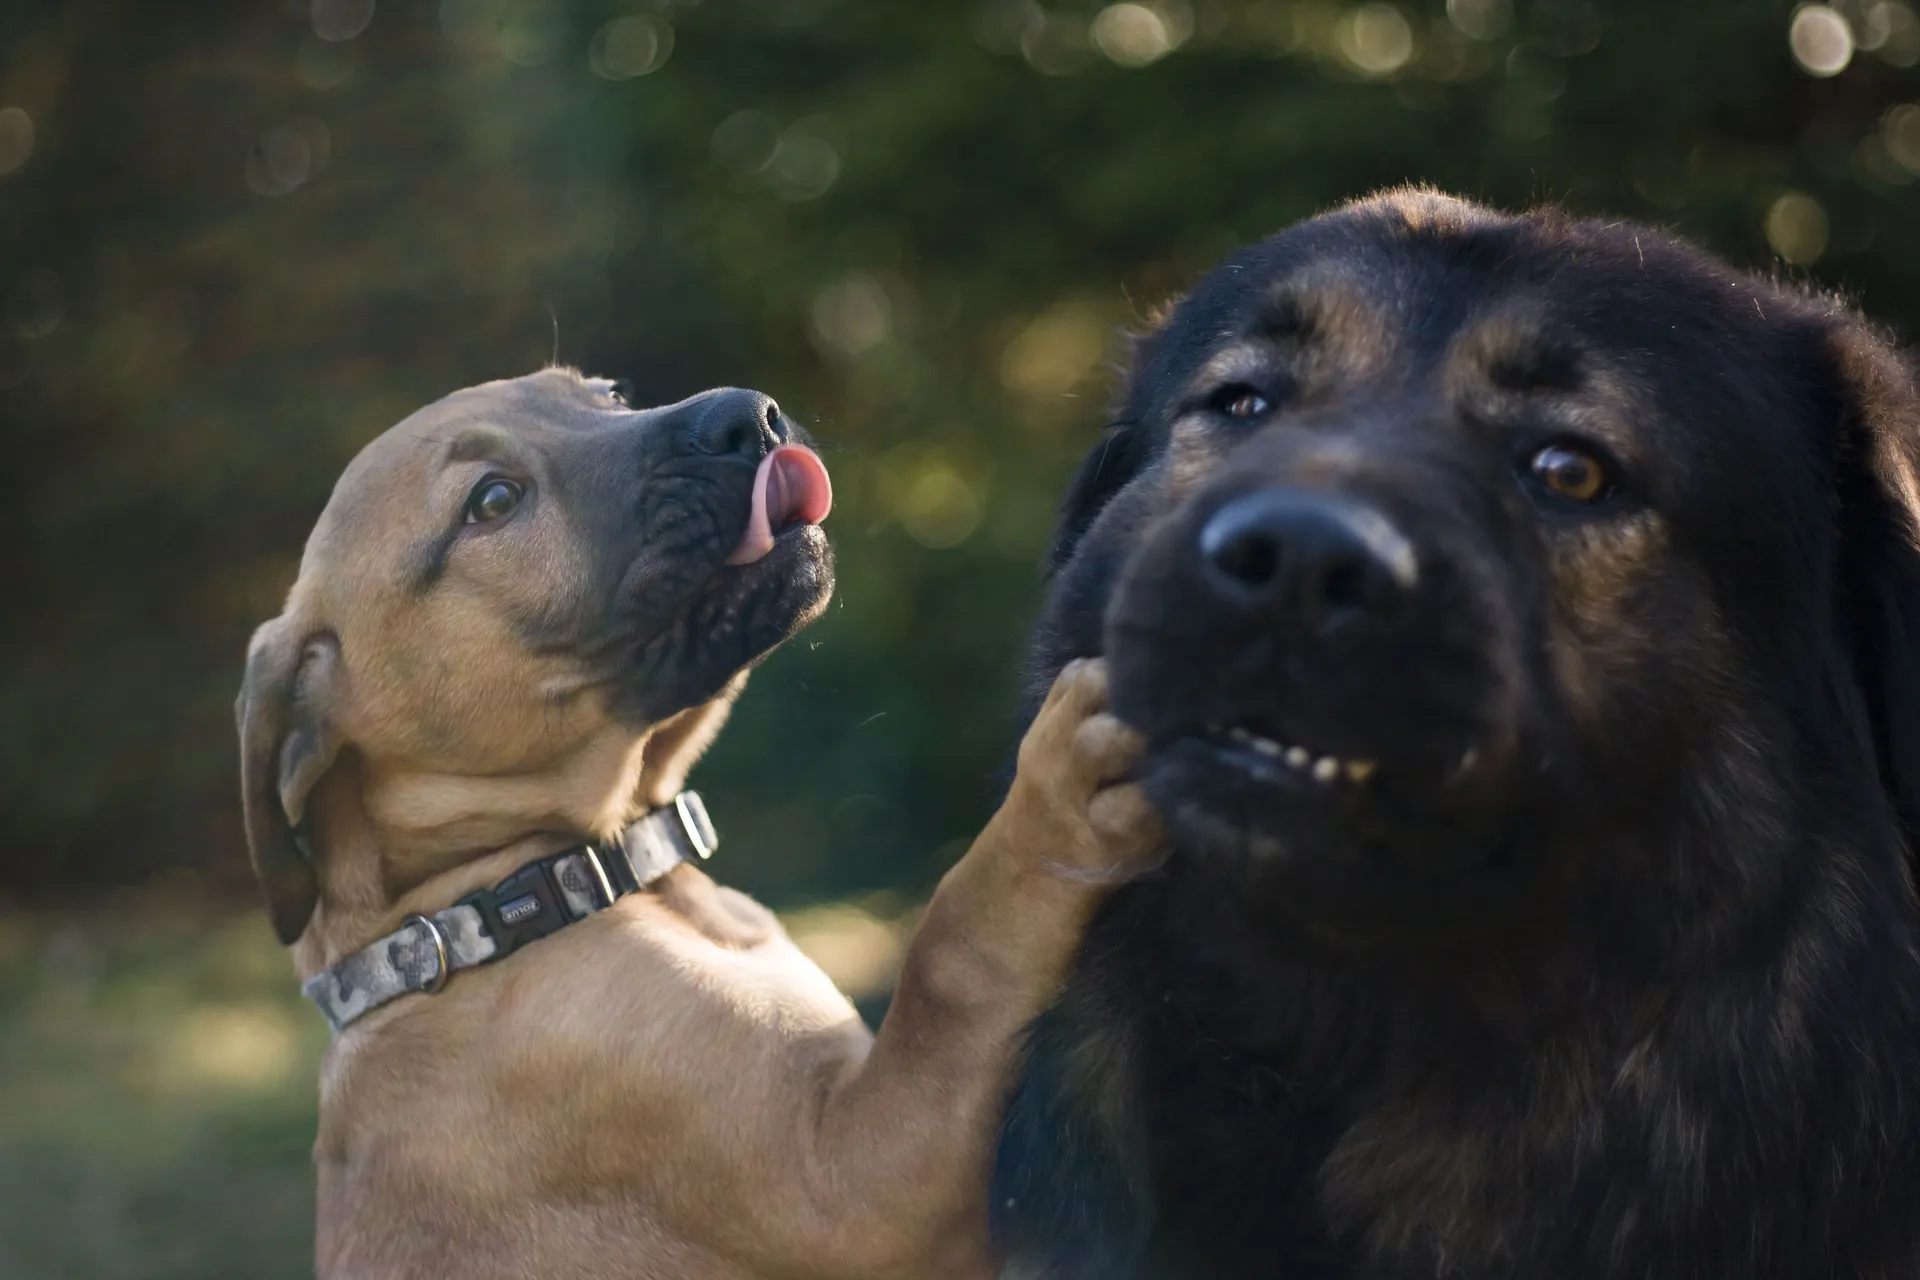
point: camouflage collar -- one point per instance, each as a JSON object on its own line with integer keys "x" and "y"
{"x": 540, "y": 898}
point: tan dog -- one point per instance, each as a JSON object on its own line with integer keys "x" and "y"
{"x": 521, "y": 618}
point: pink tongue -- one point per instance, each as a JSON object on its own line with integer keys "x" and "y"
{"x": 791, "y": 487}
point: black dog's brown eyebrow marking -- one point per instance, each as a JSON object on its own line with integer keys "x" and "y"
{"x": 1520, "y": 350}
{"x": 1539, "y": 364}
{"x": 1282, "y": 316}
{"x": 1332, "y": 322}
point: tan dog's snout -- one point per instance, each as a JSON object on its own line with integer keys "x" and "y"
{"x": 518, "y": 614}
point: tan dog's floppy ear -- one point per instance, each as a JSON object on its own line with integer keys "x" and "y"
{"x": 287, "y": 742}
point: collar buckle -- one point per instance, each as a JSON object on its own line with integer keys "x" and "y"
{"x": 523, "y": 908}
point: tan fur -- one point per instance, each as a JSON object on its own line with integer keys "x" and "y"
{"x": 669, "y": 1088}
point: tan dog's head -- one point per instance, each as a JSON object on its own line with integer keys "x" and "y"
{"x": 525, "y": 609}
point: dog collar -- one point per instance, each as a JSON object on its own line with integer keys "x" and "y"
{"x": 540, "y": 898}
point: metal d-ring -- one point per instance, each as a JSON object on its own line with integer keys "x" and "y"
{"x": 444, "y": 969}
{"x": 695, "y": 822}
{"x": 607, "y": 896}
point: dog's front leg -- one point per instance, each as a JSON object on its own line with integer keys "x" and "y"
{"x": 899, "y": 1146}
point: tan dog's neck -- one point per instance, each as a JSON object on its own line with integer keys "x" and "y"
{"x": 391, "y": 839}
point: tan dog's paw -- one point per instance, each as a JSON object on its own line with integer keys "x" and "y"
{"x": 1075, "y": 813}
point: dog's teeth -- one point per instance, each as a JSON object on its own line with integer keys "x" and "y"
{"x": 1265, "y": 746}
{"x": 1326, "y": 769}
{"x": 1359, "y": 770}
{"x": 1298, "y": 757}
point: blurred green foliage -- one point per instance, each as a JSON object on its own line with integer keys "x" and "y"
{"x": 240, "y": 237}
{"x": 237, "y": 239}
{"x": 157, "y": 1101}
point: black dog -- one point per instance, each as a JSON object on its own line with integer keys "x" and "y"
{"x": 1524, "y": 613}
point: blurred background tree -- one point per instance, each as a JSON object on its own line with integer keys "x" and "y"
{"x": 240, "y": 237}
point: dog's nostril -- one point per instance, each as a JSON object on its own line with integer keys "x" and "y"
{"x": 734, "y": 423}
{"x": 1250, "y": 558}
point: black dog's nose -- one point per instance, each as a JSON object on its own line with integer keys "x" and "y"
{"x": 1306, "y": 555}
{"x": 731, "y": 421}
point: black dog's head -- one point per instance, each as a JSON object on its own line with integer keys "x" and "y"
{"x": 1449, "y": 559}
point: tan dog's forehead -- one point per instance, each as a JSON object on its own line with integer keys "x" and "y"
{"x": 389, "y": 480}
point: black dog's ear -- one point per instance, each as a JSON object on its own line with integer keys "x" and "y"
{"x": 1122, "y": 451}
{"x": 287, "y": 741}
{"x": 1105, "y": 471}
{"x": 1879, "y": 570}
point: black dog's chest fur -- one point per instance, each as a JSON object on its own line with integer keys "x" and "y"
{"x": 1178, "y": 1123}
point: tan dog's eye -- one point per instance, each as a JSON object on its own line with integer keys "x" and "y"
{"x": 1570, "y": 472}
{"x": 492, "y": 499}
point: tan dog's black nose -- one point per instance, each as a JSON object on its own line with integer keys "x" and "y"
{"x": 735, "y": 422}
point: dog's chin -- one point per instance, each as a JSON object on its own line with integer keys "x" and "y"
{"x": 1339, "y": 846}
{"x": 741, "y": 614}
{"x": 784, "y": 590}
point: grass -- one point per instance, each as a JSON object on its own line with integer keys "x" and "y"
{"x": 157, "y": 1088}
{"x": 156, "y": 1102}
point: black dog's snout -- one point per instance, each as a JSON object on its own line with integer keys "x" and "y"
{"x": 1305, "y": 555}
{"x": 734, "y": 422}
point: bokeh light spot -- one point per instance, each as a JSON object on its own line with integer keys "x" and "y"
{"x": 804, "y": 164}
{"x": 745, "y": 141}
{"x": 16, "y": 139}
{"x": 288, "y": 157}
{"x": 939, "y": 509}
{"x": 636, "y": 45}
{"x": 851, "y": 317}
{"x": 1135, "y": 35}
{"x": 1796, "y": 227}
{"x": 1896, "y": 29}
{"x": 1056, "y": 44}
{"x": 1890, "y": 30}
{"x": 38, "y": 304}
{"x": 532, "y": 34}
{"x": 1376, "y": 39}
{"x": 247, "y": 1046}
{"x": 1821, "y": 40}
{"x": 1481, "y": 19}
{"x": 1900, "y": 131}
{"x": 1054, "y": 352}
{"x": 337, "y": 20}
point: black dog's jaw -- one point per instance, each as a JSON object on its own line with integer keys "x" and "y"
{"x": 1522, "y": 614}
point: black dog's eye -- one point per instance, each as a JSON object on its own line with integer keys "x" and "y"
{"x": 1242, "y": 402}
{"x": 491, "y": 499}
{"x": 1570, "y": 472}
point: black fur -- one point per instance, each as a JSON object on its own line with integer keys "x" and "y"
{"x": 1602, "y": 960}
